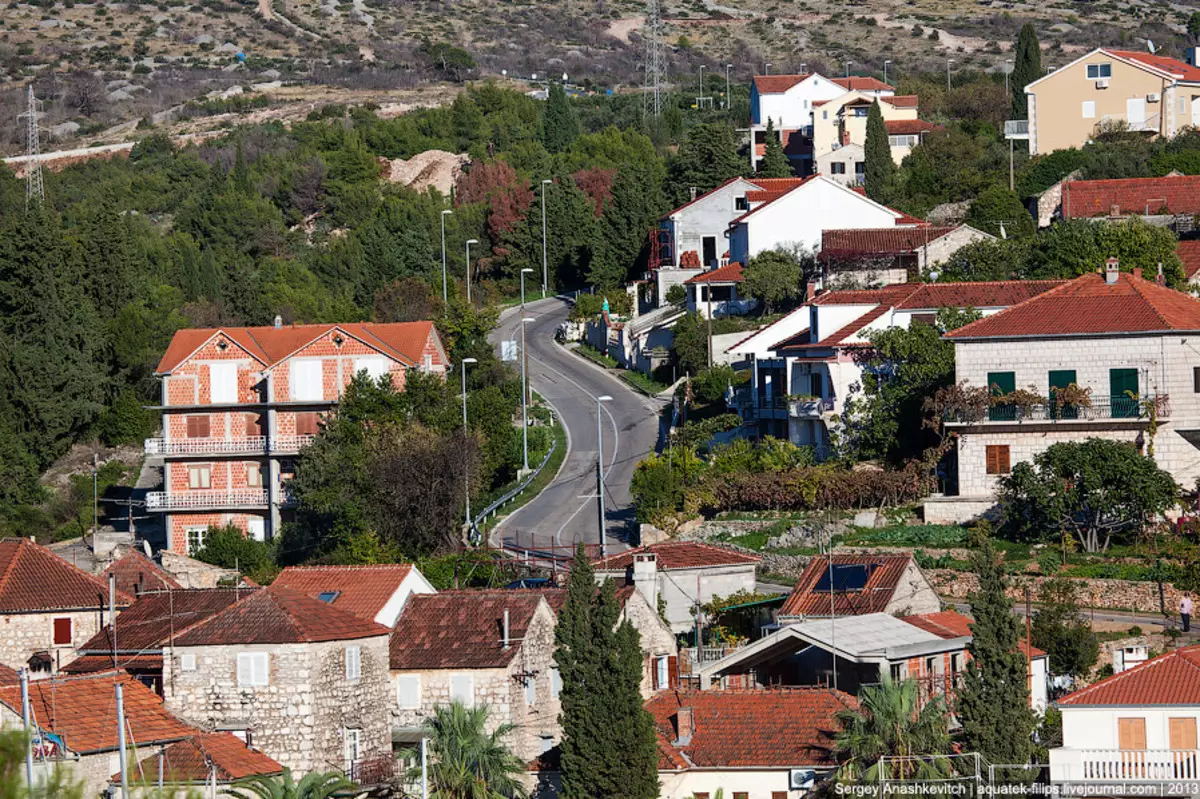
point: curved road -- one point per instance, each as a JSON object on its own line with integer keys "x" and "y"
{"x": 565, "y": 513}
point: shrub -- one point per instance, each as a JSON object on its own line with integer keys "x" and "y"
{"x": 711, "y": 384}
{"x": 820, "y": 487}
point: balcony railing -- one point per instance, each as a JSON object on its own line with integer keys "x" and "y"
{"x": 197, "y": 500}
{"x": 1138, "y": 766}
{"x": 812, "y": 408}
{"x": 251, "y": 445}
{"x": 291, "y": 443}
{"x": 1101, "y": 409}
{"x": 372, "y": 771}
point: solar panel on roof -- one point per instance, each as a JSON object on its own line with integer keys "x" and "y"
{"x": 328, "y": 596}
{"x": 844, "y": 577}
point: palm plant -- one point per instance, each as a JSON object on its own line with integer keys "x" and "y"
{"x": 316, "y": 785}
{"x": 466, "y": 761}
{"x": 891, "y": 722}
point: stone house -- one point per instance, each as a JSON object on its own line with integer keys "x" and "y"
{"x": 47, "y": 607}
{"x": 305, "y": 682}
{"x": 867, "y": 258}
{"x": 136, "y": 573}
{"x": 239, "y": 404}
{"x": 856, "y": 585}
{"x": 375, "y": 592}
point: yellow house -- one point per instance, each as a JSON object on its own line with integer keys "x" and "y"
{"x": 843, "y": 121}
{"x": 1141, "y": 90}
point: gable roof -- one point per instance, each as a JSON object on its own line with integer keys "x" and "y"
{"x": 1160, "y": 63}
{"x": 33, "y": 579}
{"x": 83, "y": 711}
{"x": 729, "y": 273}
{"x": 188, "y": 760}
{"x": 149, "y": 623}
{"x": 1087, "y": 306}
{"x": 742, "y": 729}
{"x": 1169, "y": 679}
{"x": 461, "y": 629}
{"x": 901, "y": 101}
{"x": 136, "y": 574}
{"x": 902, "y": 127}
{"x": 403, "y": 341}
{"x": 860, "y": 83}
{"x": 1189, "y": 253}
{"x": 1179, "y": 194}
{"x": 704, "y": 195}
{"x": 880, "y": 587}
{"x": 678, "y": 555}
{"x": 276, "y": 615}
{"x": 778, "y": 84}
{"x": 952, "y": 624}
{"x": 881, "y": 241}
{"x": 361, "y": 590}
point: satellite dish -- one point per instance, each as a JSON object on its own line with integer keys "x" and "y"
{"x": 1150, "y": 46}
{"x": 933, "y": 276}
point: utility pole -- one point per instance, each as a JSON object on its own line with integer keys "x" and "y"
{"x": 1028, "y": 644}
{"x": 949, "y": 61}
{"x": 121, "y": 739}
{"x": 162, "y": 753}
{"x": 35, "y": 191}
{"x": 728, "y": 92}
{"x": 27, "y": 718}
{"x": 112, "y": 614}
{"x": 544, "y": 271}
{"x": 885, "y": 66}
{"x": 708, "y": 299}
{"x": 600, "y": 472}
{"x": 467, "y": 470}
{"x": 424, "y": 768}
{"x": 832, "y": 605}
{"x": 524, "y": 378}
{"x": 445, "y": 291}
{"x": 469, "y": 243}
{"x": 95, "y": 497}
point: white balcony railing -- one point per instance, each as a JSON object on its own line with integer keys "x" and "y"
{"x": 290, "y": 443}
{"x": 812, "y": 408}
{"x": 1138, "y": 766}
{"x": 251, "y": 445}
{"x": 197, "y": 500}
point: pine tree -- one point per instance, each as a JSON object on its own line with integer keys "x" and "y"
{"x": 706, "y": 159}
{"x": 1027, "y": 67}
{"x": 879, "y": 166}
{"x": 608, "y": 744}
{"x": 993, "y": 704}
{"x": 774, "y": 163}
{"x": 560, "y": 126}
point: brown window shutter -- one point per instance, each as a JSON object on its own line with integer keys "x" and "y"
{"x": 197, "y": 427}
{"x": 1182, "y": 733}
{"x": 306, "y": 423}
{"x": 1002, "y": 459}
{"x": 1131, "y": 734}
{"x": 991, "y": 459}
{"x": 741, "y": 795}
{"x": 779, "y": 795}
{"x": 62, "y": 632}
{"x": 997, "y": 456}
{"x": 253, "y": 424}
{"x": 654, "y": 686}
{"x": 673, "y": 671}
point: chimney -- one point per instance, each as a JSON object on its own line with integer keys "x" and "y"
{"x": 505, "y": 639}
{"x": 810, "y": 291}
{"x": 692, "y": 192}
{"x": 1160, "y": 278}
{"x": 645, "y": 577}
{"x": 1112, "y": 270}
{"x": 845, "y": 137}
{"x": 685, "y": 721}
{"x": 1137, "y": 272}
{"x": 278, "y": 321}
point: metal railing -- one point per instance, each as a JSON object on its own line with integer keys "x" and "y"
{"x": 373, "y": 771}
{"x": 196, "y": 500}
{"x": 250, "y": 445}
{"x": 809, "y": 408}
{"x": 1099, "y": 409}
{"x": 1125, "y": 765}
{"x": 291, "y": 443}
{"x": 1149, "y": 123}
{"x": 509, "y": 495}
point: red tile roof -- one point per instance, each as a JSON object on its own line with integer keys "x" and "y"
{"x": 34, "y": 579}
{"x": 83, "y": 711}
{"x": 403, "y": 341}
{"x": 149, "y": 623}
{"x": 952, "y": 624}
{"x": 1179, "y": 194}
{"x": 1170, "y": 679}
{"x": 874, "y": 598}
{"x": 730, "y": 273}
{"x": 903, "y": 127}
{"x": 1162, "y": 63}
{"x": 9, "y": 676}
{"x": 679, "y": 555}
{"x": 362, "y": 590}
{"x": 1088, "y": 305}
{"x": 136, "y": 573}
{"x": 778, "y": 84}
{"x": 1189, "y": 252}
{"x": 750, "y": 729}
{"x": 556, "y": 598}
{"x": 780, "y": 191}
{"x": 276, "y": 616}
{"x": 461, "y": 629}
{"x": 188, "y": 760}
{"x": 857, "y": 83}
{"x": 901, "y": 100}
{"x": 880, "y": 241}
{"x": 778, "y": 184}
{"x": 134, "y": 664}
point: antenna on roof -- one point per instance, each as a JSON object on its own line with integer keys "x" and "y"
{"x": 1150, "y": 46}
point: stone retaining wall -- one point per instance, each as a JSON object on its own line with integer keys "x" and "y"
{"x": 1127, "y": 595}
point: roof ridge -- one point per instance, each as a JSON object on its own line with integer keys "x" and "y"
{"x": 1138, "y": 669}
{"x": 1133, "y": 284}
{"x": 959, "y": 331}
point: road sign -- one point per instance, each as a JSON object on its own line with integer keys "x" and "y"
{"x": 508, "y": 350}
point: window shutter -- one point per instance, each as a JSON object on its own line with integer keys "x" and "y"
{"x": 375, "y": 366}
{"x": 198, "y": 427}
{"x": 262, "y": 669}
{"x": 555, "y": 682}
{"x": 353, "y": 663}
{"x": 245, "y": 671}
{"x": 1182, "y": 733}
{"x": 1002, "y": 459}
{"x": 673, "y": 671}
{"x": 307, "y": 380}
{"x": 222, "y": 382}
{"x": 408, "y": 691}
{"x": 187, "y": 662}
{"x": 1196, "y": 379}
{"x": 991, "y": 460}
{"x": 62, "y": 632}
{"x": 306, "y": 423}
{"x": 1131, "y": 733}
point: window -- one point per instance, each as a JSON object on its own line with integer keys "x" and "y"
{"x": 955, "y": 663}
{"x": 375, "y": 367}
{"x": 904, "y": 140}
{"x": 352, "y": 736}
{"x": 195, "y": 539}
{"x": 740, "y": 204}
{"x": 997, "y": 459}
{"x": 709, "y": 245}
{"x": 306, "y": 423}
{"x": 197, "y": 426}
{"x": 307, "y": 381}
{"x": 815, "y": 385}
{"x": 63, "y": 632}
{"x": 1123, "y": 393}
{"x": 1131, "y": 733}
{"x": 824, "y": 115}
{"x": 328, "y": 596}
{"x": 1061, "y": 379}
{"x": 254, "y": 475}
{"x": 860, "y": 168}
{"x": 837, "y": 168}
{"x": 253, "y": 669}
{"x": 222, "y": 382}
{"x": 353, "y": 663}
{"x": 897, "y": 670}
{"x": 741, "y": 795}
{"x": 555, "y": 682}
{"x": 662, "y": 673}
{"x": 999, "y": 385}
{"x": 860, "y": 111}
{"x": 530, "y": 691}
{"x": 1089, "y": 109}
{"x": 462, "y": 689}
{"x": 256, "y": 528}
{"x": 427, "y": 363}
{"x": 408, "y": 691}
{"x": 187, "y": 662}
{"x": 199, "y": 476}
{"x": 779, "y": 795}
{"x": 1181, "y": 733}
{"x": 698, "y": 795}
{"x": 927, "y": 319}
{"x": 928, "y": 666}
{"x": 1095, "y": 71}
{"x": 254, "y": 426}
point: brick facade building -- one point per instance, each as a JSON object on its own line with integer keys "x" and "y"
{"x": 239, "y": 404}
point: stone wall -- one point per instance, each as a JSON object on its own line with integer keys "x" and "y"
{"x": 299, "y": 717}
{"x": 192, "y": 573}
{"x": 1139, "y": 597}
{"x": 656, "y": 637}
{"x": 22, "y": 634}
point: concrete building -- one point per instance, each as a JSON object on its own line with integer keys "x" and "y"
{"x": 842, "y": 122}
{"x": 240, "y": 403}
{"x": 376, "y": 592}
{"x": 716, "y": 293}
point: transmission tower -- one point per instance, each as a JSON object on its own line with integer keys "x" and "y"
{"x": 34, "y": 190}
{"x": 656, "y": 65}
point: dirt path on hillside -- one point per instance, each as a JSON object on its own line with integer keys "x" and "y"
{"x": 620, "y": 29}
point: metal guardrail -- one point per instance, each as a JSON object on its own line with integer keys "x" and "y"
{"x": 517, "y": 489}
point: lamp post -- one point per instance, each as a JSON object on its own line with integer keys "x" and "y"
{"x": 600, "y": 472}
{"x": 545, "y": 183}
{"x": 466, "y": 471}
{"x": 803, "y": 68}
{"x": 524, "y": 378}
{"x": 728, "y": 96}
{"x": 445, "y": 293}
{"x": 1007, "y": 72}
{"x": 469, "y": 243}
{"x": 885, "y": 66}
{"x": 700, "y": 99}
{"x": 949, "y": 61}
{"x": 848, "y": 63}
{"x": 767, "y": 68}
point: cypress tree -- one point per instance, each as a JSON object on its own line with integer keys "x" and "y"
{"x": 560, "y": 126}
{"x": 993, "y": 704}
{"x": 1027, "y": 67}
{"x": 774, "y": 163}
{"x": 879, "y": 166}
{"x": 608, "y": 744}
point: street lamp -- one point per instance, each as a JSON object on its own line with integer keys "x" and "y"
{"x": 700, "y": 99}
{"x": 467, "y": 470}
{"x": 885, "y": 65}
{"x": 848, "y": 63}
{"x": 949, "y": 61}
{"x": 545, "y": 183}
{"x": 469, "y": 243}
{"x": 600, "y": 472}
{"x": 1007, "y": 72}
{"x": 524, "y": 377}
{"x": 445, "y": 294}
{"x": 803, "y": 68}
{"x": 728, "y": 96}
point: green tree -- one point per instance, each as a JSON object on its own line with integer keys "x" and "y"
{"x": 1193, "y": 26}
{"x": 1094, "y": 490}
{"x": 774, "y": 163}
{"x": 316, "y": 785}
{"x": 689, "y": 342}
{"x": 1059, "y": 630}
{"x": 707, "y": 158}
{"x": 1000, "y": 212}
{"x": 877, "y": 153}
{"x": 230, "y": 548}
{"x": 993, "y": 703}
{"x": 608, "y": 744}
{"x": 779, "y": 277}
{"x": 891, "y": 722}
{"x": 560, "y": 126}
{"x": 1027, "y": 67}
{"x": 467, "y": 761}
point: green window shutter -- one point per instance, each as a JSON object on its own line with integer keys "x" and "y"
{"x": 1123, "y": 394}
{"x": 1061, "y": 378}
{"x": 999, "y": 384}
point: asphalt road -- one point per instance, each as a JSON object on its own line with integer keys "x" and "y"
{"x": 566, "y": 513}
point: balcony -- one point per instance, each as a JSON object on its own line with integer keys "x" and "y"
{"x": 1016, "y": 129}
{"x": 290, "y": 444}
{"x": 206, "y": 500}
{"x": 211, "y": 447}
{"x": 373, "y": 771}
{"x": 1108, "y": 122}
{"x": 1112, "y": 767}
{"x": 1101, "y": 410}
{"x": 809, "y": 407}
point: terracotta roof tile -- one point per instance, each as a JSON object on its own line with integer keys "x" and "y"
{"x": 1088, "y": 305}
{"x": 952, "y": 624}
{"x": 777, "y": 84}
{"x": 461, "y": 629}
{"x": 904, "y": 127}
{"x": 188, "y": 760}
{"x": 276, "y": 616}
{"x": 149, "y": 623}
{"x": 901, "y": 100}
{"x": 1189, "y": 252}
{"x": 1172, "y": 66}
{"x": 33, "y": 579}
{"x": 859, "y": 83}
{"x": 880, "y": 241}
{"x": 1179, "y": 194}
{"x": 1170, "y": 679}
{"x": 83, "y": 711}
{"x": 361, "y": 590}
{"x": 679, "y": 555}
{"x": 90, "y": 664}
{"x": 744, "y": 729}
{"x": 556, "y": 598}
{"x": 9, "y": 676}
{"x": 886, "y": 571}
{"x": 730, "y": 273}
{"x": 136, "y": 573}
